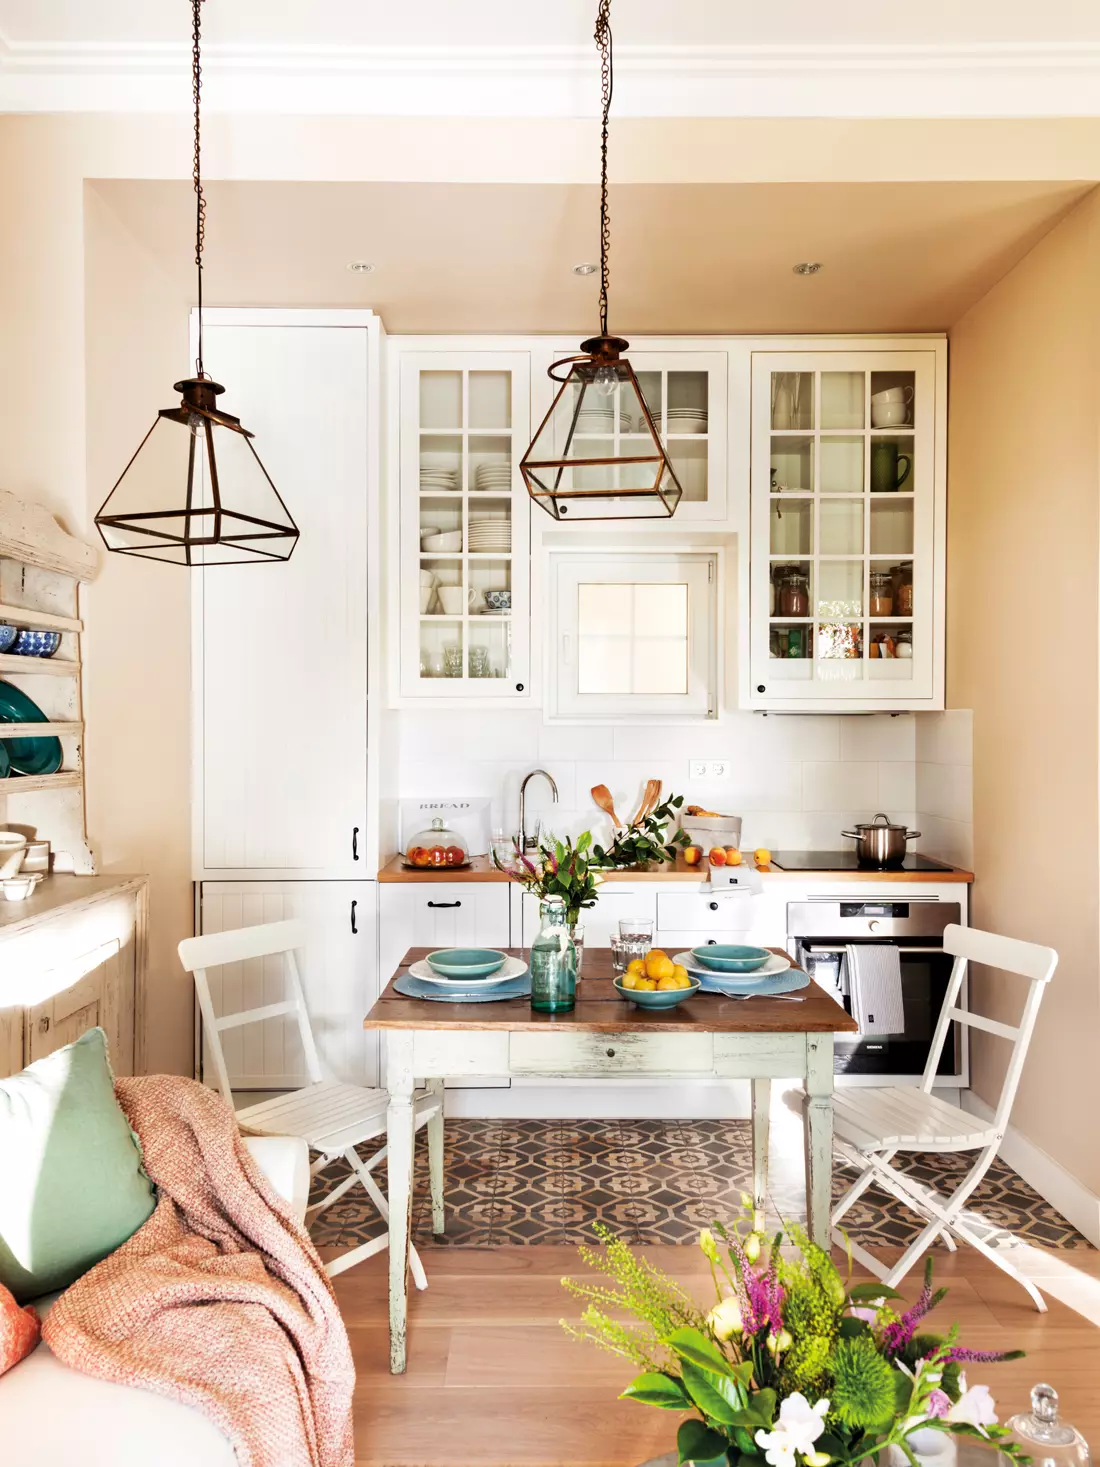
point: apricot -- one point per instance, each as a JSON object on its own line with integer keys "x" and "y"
{"x": 733, "y": 856}
{"x": 693, "y": 855}
{"x": 717, "y": 856}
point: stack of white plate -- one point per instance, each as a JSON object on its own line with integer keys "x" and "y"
{"x": 494, "y": 474}
{"x": 683, "y": 420}
{"x": 439, "y": 471}
{"x": 592, "y": 419}
{"x": 488, "y": 535}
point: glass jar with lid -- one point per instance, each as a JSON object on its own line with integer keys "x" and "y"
{"x": 1045, "y": 1437}
{"x": 438, "y": 846}
{"x": 882, "y": 593}
{"x": 902, "y": 577}
{"x": 792, "y": 590}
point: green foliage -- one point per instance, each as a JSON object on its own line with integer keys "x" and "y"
{"x": 638, "y": 845}
{"x": 656, "y": 1389}
{"x": 699, "y": 1349}
{"x": 696, "y": 1442}
{"x": 558, "y": 868}
{"x": 862, "y": 1392}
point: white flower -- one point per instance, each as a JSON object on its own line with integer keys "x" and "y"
{"x": 725, "y": 1319}
{"x": 976, "y": 1406}
{"x": 798, "y": 1427}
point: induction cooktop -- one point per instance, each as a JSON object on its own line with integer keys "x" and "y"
{"x": 849, "y": 861}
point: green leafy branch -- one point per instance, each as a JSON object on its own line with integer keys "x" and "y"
{"x": 645, "y": 842}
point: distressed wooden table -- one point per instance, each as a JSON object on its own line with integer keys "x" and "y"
{"x": 757, "y": 1039}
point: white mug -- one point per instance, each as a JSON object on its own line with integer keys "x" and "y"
{"x": 476, "y": 601}
{"x": 452, "y": 599}
{"x": 893, "y": 394}
{"x": 427, "y": 595}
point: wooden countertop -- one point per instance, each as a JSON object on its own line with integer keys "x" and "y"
{"x": 600, "y": 1009}
{"x": 59, "y": 894}
{"x": 481, "y": 868}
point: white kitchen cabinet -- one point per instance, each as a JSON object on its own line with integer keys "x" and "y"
{"x": 615, "y": 902}
{"x": 282, "y": 784}
{"x": 846, "y": 576}
{"x": 463, "y": 421}
{"x": 684, "y": 383}
{"x": 339, "y": 968}
{"x": 437, "y": 914}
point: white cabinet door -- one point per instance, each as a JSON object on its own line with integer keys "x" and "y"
{"x": 465, "y": 419}
{"x": 339, "y": 968}
{"x": 440, "y": 914}
{"x": 847, "y": 535}
{"x": 280, "y": 651}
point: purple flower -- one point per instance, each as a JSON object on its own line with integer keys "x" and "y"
{"x": 938, "y": 1403}
{"x": 960, "y": 1356}
{"x": 761, "y": 1298}
{"x": 896, "y": 1336}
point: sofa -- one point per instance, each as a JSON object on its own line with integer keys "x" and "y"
{"x": 53, "y": 1416}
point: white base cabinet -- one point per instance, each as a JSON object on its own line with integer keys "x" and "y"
{"x": 339, "y": 974}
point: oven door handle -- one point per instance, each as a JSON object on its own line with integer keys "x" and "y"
{"x": 815, "y": 947}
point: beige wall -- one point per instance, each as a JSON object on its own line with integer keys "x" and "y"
{"x": 1023, "y": 541}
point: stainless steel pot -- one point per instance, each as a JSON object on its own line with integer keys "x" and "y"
{"x": 880, "y": 843}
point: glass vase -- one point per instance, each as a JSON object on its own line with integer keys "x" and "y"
{"x": 553, "y": 961}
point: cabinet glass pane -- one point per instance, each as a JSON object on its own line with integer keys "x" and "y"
{"x": 891, "y": 526}
{"x": 791, "y": 642}
{"x": 842, "y": 466}
{"x": 441, "y": 460}
{"x": 689, "y": 460}
{"x": 840, "y": 526}
{"x": 489, "y": 653}
{"x": 489, "y": 580}
{"x": 891, "y": 464}
{"x": 842, "y": 399}
{"x": 441, "y": 649}
{"x": 490, "y": 465}
{"x": 792, "y": 465}
{"x": 890, "y": 653}
{"x": 792, "y": 526}
{"x": 441, "y": 400}
{"x": 892, "y": 399}
{"x": 632, "y": 638}
{"x": 838, "y": 648}
{"x": 839, "y": 589}
{"x": 687, "y": 403}
{"x": 792, "y": 400}
{"x": 791, "y": 592}
{"x": 650, "y": 383}
{"x": 490, "y": 400}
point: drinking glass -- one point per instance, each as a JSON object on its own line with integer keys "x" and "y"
{"x": 624, "y": 950}
{"x": 452, "y": 660}
{"x": 479, "y": 662}
{"x": 576, "y": 932}
{"x": 637, "y": 928}
{"x": 504, "y": 849}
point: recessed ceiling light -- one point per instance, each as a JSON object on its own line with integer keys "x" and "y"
{"x": 808, "y": 267}
{"x": 360, "y": 267}
{"x": 585, "y": 269}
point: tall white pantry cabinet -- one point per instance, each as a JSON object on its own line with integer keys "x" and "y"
{"x": 285, "y": 715}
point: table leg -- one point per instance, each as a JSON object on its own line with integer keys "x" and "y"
{"x": 818, "y": 1118}
{"x": 435, "y": 1157}
{"x": 761, "y": 1135}
{"x": 399, "y": 1163}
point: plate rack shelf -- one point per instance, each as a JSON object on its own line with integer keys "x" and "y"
{"x": 41, "y": 571}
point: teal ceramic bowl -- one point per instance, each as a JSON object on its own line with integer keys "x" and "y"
{"x": 657, "y": 998}
{"x": 466, "y": 962}
{"x": 729, "y": 959}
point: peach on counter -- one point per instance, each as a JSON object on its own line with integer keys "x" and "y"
{"x": 717, "y": 856}
{"x": 693, "y": 855}
{"x": 733, "y": 856}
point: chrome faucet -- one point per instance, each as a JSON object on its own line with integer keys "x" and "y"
{"x": 526, "y": 842}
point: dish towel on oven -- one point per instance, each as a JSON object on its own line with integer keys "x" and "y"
{"x": 874, "y": 981}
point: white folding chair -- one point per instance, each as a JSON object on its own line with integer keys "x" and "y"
{"x": 333, "y": 1118}
{"x": 871, "y": 1126}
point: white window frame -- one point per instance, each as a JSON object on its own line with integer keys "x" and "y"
{"x": 568, "y": 569}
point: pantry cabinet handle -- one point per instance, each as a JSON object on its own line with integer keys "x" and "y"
{"x": 43, "y": 1026}
{"x": 444, "y": 904}
{"x": 353, "y": 907}
{"x": 355, "y": 843}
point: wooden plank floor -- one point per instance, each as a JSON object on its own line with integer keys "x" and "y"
{"x": 493, "y": 1381}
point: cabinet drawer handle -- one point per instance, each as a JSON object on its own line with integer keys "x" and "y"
{"x": 355, "y": 843}
{"x": 353, "y": 907}
{"x": 714, "y": 906}
{"x": 43, "y": 1026}
{"x": 444, "y": 904}
{"x": 611, "y": 1054}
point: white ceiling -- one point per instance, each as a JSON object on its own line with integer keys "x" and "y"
{"x": 798, "y": 58}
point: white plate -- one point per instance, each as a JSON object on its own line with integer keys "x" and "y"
{"x": 776, "y": 963}
{"x": 513, "y": 968}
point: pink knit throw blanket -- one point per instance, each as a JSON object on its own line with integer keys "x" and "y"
{"x": 220, "y": 1299}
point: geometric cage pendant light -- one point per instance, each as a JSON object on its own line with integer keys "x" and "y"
{"x": 195, "y": 491}
{"x": 598, "y": 453}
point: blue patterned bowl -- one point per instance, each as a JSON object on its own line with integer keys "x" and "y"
{"x": 727, "y": 958}
{"x": 7, "y": 635}
{"x": 36, "y": 644}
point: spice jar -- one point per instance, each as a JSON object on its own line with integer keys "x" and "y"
{"x": 903, "y": 590}
{"x": 793, "y": 590}
{"x": 882, "y": 593}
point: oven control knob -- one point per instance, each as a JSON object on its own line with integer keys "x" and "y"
{"x": 873, "y": 926}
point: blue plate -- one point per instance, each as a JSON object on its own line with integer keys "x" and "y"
{"x": 28, "y": 756}
{"x": 416, "y": 988}
{"x": 731, "y": 959}
{"x": 657, "y": 998}
{"x": 466, "y": 963}
{"x": 789, "y": 982}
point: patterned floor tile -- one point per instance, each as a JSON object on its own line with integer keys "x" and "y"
{"x": 528, "y": 1182}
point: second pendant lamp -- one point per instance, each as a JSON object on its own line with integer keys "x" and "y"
{"x": 597, "y": 455}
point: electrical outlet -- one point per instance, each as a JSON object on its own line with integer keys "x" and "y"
{"x": 708, "y": 769}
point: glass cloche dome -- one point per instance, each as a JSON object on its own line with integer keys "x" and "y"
{"x": 438, "y": 846}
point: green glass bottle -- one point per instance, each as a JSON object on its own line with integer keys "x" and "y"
{"x": 553, "y": 961}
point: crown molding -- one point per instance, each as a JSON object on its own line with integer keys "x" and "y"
{"x": 997, "y": 79}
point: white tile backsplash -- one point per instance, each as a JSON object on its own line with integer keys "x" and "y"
{"x": 797, "y": 782}
{"x": 945, "y": 784}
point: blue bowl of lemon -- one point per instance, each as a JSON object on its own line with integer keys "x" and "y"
{"x": 656, "y": 982}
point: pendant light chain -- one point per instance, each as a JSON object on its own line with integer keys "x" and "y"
{"x": 603, "y": 42}
{"x": 200, "y": 197}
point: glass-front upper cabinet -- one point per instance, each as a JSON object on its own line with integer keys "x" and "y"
{"x": 464, "y": 525}
{"x": 686, "y": 393}
{"x": 847, "y": 530}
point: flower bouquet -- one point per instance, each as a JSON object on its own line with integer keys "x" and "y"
{"x": 792, "y": 1365}
{"x": 557, "y": 868}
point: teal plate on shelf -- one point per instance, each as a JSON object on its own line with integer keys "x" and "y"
{"x": 5, "y": 762}
{"x": 28, "y": 756}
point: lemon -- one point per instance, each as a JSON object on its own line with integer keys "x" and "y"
{"x": 680, "y": 973}
{"x": 636, "y": 965}
{"x": 683, "y": 981}
{"x": 628, "y": 980}
{"x": 658, "y": 965}
{"x": 646, "y": 984}
{"x": 664, "y": 984}
{"x": 762, "y": 856}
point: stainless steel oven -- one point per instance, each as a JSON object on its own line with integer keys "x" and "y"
{"x": 819, "y": 934}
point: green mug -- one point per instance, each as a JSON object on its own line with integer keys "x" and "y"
{"x": 887, "y": 473}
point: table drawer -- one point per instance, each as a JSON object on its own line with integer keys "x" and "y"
{"x": 610, "y": 1054}
{"x": 718, "y": 911}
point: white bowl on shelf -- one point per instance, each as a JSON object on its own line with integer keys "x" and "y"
{"x": 448, "y": 542}
{"x": 889, "y": 414}
{"x": 427, "y": 596}
{"x": 12, "y": 847}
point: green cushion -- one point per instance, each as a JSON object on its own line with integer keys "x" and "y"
{"x": 72, "y": 1188}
